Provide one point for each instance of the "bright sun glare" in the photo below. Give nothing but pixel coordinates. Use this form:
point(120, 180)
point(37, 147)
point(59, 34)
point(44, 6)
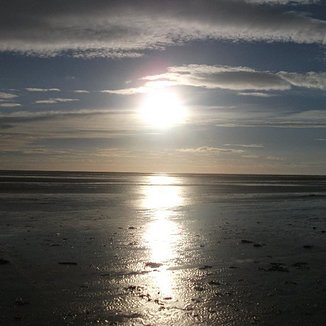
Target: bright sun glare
point(162, 108)
point(163, 235)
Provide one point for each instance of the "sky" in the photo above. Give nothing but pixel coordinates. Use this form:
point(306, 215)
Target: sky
point(248, 75)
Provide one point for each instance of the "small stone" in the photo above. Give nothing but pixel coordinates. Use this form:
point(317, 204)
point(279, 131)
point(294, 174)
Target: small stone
point(196, 300)
point(4, 261)
point(308, 246)
point(20, 302)
point(277, 267)
point(257, 245)
point(246, 241)
point(198, 288)
point(205, 267)
point(153, 265)
point(214, 283)
point(301, 265)
point(290, 283)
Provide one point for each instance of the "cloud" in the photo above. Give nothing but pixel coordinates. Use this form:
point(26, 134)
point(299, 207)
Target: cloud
point(126, 28)
point(56, 100)
point(225, 77)
point(247, 116)
point(81, 91)
point(305, 119)
point(208, 149)
point(32, 89)
point(146, 88)
point(285, 2)
point(212, 77)
point(227, 148)
point(7, 96)
point(308, 80)
point(245, 145)
point(257, 94)
point(248, 81)
point(7, 119)
point(126, 91)
point(9, 105)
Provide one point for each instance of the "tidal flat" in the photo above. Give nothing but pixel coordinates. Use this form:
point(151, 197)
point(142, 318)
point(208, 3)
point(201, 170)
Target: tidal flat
point(137, 249)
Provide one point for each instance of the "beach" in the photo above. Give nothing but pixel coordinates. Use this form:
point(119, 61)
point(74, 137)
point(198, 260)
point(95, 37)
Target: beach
point(162, 249)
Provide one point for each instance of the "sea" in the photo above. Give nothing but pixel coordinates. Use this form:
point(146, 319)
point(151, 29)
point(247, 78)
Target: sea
point(91, 248)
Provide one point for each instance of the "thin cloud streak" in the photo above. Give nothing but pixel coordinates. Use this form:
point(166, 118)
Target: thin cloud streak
point(7, 96)
point(210, 150)
point(81, 91)
point(310, 79)
point(245, 80)
point(256, 94)
point(127, 28)
point(245, 145)
point(9, 105)
point(284, 2)
point(32, 89)
point(56, 100)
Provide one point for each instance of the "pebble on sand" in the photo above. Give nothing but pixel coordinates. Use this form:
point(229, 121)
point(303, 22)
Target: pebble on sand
point(275, 267)
point(257, 245)
point(4, 261)
point(308, 246)
point(205, 267)
point(21, 302)
point(153, 265)
point(246, 241)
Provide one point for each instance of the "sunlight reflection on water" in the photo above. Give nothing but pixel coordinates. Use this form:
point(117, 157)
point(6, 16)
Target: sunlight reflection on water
point(163, 235)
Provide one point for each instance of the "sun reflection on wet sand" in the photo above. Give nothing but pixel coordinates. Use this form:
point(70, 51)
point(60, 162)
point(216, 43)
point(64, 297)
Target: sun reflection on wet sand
point(163, 235)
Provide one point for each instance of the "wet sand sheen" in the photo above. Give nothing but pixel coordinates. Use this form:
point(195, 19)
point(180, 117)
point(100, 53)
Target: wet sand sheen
point(162, 250)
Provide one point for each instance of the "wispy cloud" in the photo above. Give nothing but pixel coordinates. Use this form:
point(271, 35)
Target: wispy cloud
point(304, 119)
point(245, 145)
point(256, 94)
point(81, 91)
point(146, 88)
point(9, 105)
point(56, 100)
point(247, 117)
point(126, 91)
point(308, 80)
point(284, 2)
point(7, 96)
point(126, 28)
point(208, 149)
point(225, 77)
point(32, 89)
point(13, 117)
point(248, 81)
point(240, 78)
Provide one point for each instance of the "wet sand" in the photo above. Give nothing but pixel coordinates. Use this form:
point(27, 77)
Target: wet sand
point(99, 259)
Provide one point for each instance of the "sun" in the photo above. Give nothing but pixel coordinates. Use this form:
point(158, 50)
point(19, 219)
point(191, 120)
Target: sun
point(162, 108)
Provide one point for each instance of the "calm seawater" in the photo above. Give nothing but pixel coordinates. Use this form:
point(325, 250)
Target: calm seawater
point(149, 249)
